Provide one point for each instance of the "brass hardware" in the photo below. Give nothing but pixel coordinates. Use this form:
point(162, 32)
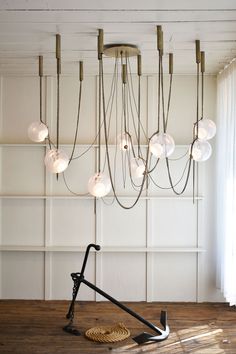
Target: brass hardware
point(202, 62)
point(117, 50)
point(124, 73)
point(58, 53)
point(58, 46)
point(139, 64)
point(198, 53)
point(170, 63)
point(81, 71)
point(40, 65)
point(100, 43)
point(58, 66)
point(160, 39)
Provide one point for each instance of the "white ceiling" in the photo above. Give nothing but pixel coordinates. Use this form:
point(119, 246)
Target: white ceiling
point(28, 28)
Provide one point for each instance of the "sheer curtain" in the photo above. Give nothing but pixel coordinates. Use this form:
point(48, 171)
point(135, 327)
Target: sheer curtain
point(226, 182)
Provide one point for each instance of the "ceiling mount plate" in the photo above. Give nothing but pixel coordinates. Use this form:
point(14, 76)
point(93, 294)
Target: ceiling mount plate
point(116, 50)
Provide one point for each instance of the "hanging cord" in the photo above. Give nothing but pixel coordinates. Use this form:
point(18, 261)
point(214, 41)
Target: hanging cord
point(110, 104)
point(168, 104)
point(162, 96)
point(99, 118)
point(95, 139)
point(41, 97)
point(137, 134)
point(108, 157)
point(131, 93)
point(176, 183)
point(78, 112)
point(114, 97)
point(70, 190)
point(125, 108)
point(139, 97)
point(170, 90)
point(170, 177)
point(58, 57)
point(159, 95)
point(154, 167)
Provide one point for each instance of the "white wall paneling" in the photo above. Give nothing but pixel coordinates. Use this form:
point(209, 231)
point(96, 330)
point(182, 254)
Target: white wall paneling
point(156, 251)
point(22, 275)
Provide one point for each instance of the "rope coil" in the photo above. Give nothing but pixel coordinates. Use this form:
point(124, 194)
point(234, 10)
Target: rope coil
point(108, 334)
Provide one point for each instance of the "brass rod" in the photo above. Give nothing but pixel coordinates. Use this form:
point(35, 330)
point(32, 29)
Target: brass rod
point(160, 39)
point(40, 65)
point(202, 62)
point(124, 73)
point(198, 53)
point(159, 29)
point(139, 64)
point(170, 63)
point(161, 43)
point(58, 46)
point(81, 71)
point(100, 43)
point(58, 66)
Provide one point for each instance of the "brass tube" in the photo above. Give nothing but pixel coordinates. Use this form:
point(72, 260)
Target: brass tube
point(40, 65)
point(170, 63)
point(100, 43)
point(160, 39)
point(202, 62)
point(81, 71)
point(159, 29)
point(58, 66)
point(58, 53)
point(198, 53)
point(124, 73)
point(139, 64)
point(58, 46)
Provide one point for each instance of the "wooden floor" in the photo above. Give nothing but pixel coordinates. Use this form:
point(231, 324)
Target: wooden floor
point(33, 327)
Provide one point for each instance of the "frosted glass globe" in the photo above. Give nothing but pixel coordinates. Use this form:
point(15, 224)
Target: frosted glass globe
point(37, 131)
point(201, 150)
point(99, 185)
point(56, 161)
point(162, 145)
point(137, 167)
point(123, 140)
point(206, 129)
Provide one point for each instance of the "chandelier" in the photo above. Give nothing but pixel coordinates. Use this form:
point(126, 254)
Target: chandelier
point(121, 139)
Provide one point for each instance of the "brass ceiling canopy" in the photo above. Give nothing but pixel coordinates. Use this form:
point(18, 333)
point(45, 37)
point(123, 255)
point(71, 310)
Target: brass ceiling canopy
point(117, 50)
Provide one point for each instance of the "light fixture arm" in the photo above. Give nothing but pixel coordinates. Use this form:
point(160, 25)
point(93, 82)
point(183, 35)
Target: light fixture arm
point(58, 57)
point(100, 54)
point(40, 88)
point(139, 72)
point(202, 75)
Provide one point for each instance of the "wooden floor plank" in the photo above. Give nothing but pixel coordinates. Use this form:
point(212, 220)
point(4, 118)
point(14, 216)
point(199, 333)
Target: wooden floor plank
point(35, 327)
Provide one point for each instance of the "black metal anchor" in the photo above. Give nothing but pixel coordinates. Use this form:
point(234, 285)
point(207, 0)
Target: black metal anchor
point(78, 278)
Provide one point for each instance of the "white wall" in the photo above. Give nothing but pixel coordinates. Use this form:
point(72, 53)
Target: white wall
point(152, 252)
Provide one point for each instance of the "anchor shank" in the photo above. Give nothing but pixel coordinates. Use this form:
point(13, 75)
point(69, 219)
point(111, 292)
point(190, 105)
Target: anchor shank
point(123, 307)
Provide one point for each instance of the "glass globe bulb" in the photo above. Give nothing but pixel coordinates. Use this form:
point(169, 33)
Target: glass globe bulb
point(201, 150)
point(99, 185)
point(162, 145)
point(37, 131)
point(123, 140)
point(206, 129)
point(137, 167)
point(56, 161)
